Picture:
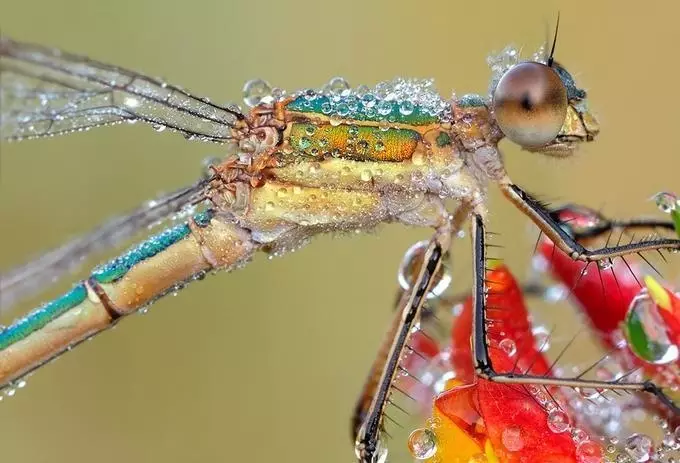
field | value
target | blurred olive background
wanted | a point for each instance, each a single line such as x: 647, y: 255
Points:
x: 264, y: 364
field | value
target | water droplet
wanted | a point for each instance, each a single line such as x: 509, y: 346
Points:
x: 368, y: 100
x: 418, y: 158
x: 159, y: 127
x: 380, y: 146
x: 366, y: 175
x: 605, y: 264
x: 508, y: 346
x: 269, y: 206
x: 639, y: 447
x: 558, y: 421
x: 409, y: 265
x: 666, y: 202
x: 644, y: 331
x: 541, y: 338
x: 512, y: 438
x: 342, y: 109
x: 384, y: 108
x: 282, y: 193
x: 406, y: 108
x: 589, y: 452
x: 337, y: 85
x: 304, y: 143
x: 422, y: 443
x: 131, y: 102
x: 257, y: 91
x: 578, y: 435
x: 327, y: 107
x: 353, y: 130
x: 310, y: 130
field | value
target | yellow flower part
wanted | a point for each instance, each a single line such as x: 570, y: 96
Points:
x: 658, y: 293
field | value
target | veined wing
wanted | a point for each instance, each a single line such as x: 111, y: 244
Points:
x: 36, y: 275
x: 45, y: 92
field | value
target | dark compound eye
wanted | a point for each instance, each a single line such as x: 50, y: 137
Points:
x: 530, y: 104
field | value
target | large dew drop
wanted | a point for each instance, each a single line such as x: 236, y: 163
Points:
x: 422, y: 443
x: 666, y: 202
x: 410, y: 264
x: 256, y: 91
x: 645, y: 332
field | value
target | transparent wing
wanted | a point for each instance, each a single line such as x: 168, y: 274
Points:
x: 36, y: 275
x: 45, y: 92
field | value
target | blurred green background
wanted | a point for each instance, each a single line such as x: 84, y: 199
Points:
x: 264, y: 364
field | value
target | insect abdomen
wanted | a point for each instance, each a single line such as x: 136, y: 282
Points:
x: 155, y: 267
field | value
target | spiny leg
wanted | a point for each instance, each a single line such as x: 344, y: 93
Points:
x: 602, y: 227
x: 480, y: 348
x: 552, y: 228
x: 367, y: 420
x: 368, y: 435
x: 596, y: 225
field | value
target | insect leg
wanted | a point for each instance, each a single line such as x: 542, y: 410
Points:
x: 480, y: 347
x: 584, y: 223
x: 369, y: 412
x: 553, y: 229
x: 368, y: 435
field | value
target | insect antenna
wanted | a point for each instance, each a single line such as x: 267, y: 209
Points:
x: 551, y: 57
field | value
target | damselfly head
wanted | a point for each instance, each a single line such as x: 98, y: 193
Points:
x: 539, y: 107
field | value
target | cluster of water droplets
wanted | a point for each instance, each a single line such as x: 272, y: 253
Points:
x: 502, y: 61
x: 12, y: 388
x: 386, y: 101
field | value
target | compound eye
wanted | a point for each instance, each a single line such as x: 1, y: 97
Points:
x: 530, y: 104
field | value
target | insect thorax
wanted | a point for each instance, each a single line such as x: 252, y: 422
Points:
x: 356, y: 158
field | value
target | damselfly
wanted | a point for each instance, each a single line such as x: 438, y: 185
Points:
x: 297, y: 165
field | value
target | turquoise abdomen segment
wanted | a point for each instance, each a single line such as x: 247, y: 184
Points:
x: 364, y: 108
x: 118, y: 267
x: 42, y: 316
